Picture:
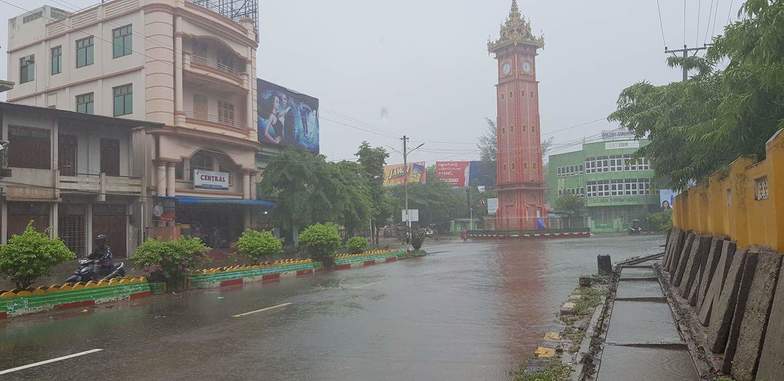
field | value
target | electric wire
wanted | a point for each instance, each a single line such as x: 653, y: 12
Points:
x: 661, y: 24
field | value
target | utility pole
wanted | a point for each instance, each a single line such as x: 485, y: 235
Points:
x: 685, y: 51
x: 470, y: 209
x: 405, y: 140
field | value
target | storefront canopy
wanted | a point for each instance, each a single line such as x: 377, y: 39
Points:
x: 190, y: 200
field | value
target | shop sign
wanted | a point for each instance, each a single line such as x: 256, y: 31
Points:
x: 210, y: 179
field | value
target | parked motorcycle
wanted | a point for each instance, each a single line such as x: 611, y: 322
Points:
x: 636, y: 227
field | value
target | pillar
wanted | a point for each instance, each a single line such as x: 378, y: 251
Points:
x: 3, y: 221
x: 88, y: 229
x: 246, y: 185
x: 171, y: 180
x: 179, y: 109
x: 54, y: 217
x: 161, y: 179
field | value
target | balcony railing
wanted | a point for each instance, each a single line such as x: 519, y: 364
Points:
x: 213, y: 119
x: 221, y: 66
x: 101, y: 184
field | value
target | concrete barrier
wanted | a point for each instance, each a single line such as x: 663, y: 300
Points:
x: 56, y: 297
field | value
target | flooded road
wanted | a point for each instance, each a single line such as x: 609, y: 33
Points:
x: 469, y: 311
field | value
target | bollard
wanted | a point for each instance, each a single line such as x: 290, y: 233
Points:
x: 605, y: 264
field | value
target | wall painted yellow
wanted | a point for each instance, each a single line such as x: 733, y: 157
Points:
x: 726, y: 204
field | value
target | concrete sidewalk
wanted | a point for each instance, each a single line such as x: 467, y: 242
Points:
x: 642, y: 339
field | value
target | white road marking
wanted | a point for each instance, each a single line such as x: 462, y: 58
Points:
x: 48, y: 361
x: 262, y: 310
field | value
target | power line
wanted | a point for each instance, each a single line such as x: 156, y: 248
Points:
x: 684, y: 22
x: 699, y: 14
x: 661, y: 24
x: 729, y: 12
x: 707, y: 28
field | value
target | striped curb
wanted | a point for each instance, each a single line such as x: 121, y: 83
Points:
x: 68, y: 296
x: 528, y: 235
x: 241, y: 275
x: 360, y: 260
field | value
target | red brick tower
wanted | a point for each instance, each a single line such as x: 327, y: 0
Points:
x: 520, y: 182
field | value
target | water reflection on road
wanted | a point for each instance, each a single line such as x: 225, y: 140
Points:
x: 470, y: 311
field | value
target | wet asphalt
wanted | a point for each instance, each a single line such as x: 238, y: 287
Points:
x: 468, y: 311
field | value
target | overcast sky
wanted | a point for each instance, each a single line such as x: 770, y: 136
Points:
x: 382, y: 69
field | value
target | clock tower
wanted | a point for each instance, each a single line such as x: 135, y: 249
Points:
x: 520, y: 181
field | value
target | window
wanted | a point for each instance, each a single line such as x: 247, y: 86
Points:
x: 57, y: 60
x: 66, y: 154
x: 110, y: 157
x: 761, y: 188
x: 200, y: 106
x: 84, y: 52
x: 226, y: 113
x: 123, y: 100
x: 84, y: 103
x: 29, y: 148
x: 27, y: 68
x: 122, y: 41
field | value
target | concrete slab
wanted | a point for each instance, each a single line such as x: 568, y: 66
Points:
x: 646, y: 363
x: 644, y: 289
x: 755, y: 317
x: 771, y: 364
x: 676, y: 257
x: 712, y: 261
x: 674, y: 244
x: 637, y: 273
x: 724, y: 306
x: 642, y: 323
x: 694, y: 283
x: 716, y: 283
x: 747, y: 276
x: 680, y: 266
x: 686, y: 275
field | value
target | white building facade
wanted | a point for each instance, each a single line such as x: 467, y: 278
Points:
x: 173, y: 62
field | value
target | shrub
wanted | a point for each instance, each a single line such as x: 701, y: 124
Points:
x: 171, y: 260
x: 660, y: 221
x: 357, y: 245
x: 30, y: 255
x: 257, y: 245
x: 321, y: 241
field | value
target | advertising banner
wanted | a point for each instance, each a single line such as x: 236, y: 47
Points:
x: 666, y: 198
x: 482, y: 174
x: 412, y: 213
x: 210, y: 180
x: 396, y: 175
x: 492, y: 206
x: 455, y: 173
x: 287, y: 117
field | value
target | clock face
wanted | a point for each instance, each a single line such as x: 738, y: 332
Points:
x: 527, y: 68
x: 506, y: 68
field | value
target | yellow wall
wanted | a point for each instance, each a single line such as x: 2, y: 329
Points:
x: 726, y: 203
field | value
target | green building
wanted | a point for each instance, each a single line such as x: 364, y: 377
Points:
x: 617, y: 188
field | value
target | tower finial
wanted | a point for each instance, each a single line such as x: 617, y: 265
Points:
x: 515, y: 31
x: 515, y: 9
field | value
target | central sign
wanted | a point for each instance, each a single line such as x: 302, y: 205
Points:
x: 210, y: 179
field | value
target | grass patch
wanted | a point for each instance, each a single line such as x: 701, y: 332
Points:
x: 590, y: 298
x: 555, y: 371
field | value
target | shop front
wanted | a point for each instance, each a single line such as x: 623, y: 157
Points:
x: 219, y: 222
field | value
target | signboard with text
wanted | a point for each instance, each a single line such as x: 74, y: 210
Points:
x: 395, y: 174
x: 210, y: 179
x: 455, y: 173
x: 492, y: 206
x: 412, y: 213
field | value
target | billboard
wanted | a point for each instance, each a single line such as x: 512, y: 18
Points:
x: 666, y: 198
x: 287, y: 117
x: 395, y: 174
x: 454, y: 173
x: 492, y: 206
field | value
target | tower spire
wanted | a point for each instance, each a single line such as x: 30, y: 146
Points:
x: 515, y: 31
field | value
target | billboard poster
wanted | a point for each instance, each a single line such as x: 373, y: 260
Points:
x: 455, y: 173
x: 492, y: 206
x: 396, y: 175
x: 287, y: 117
x: 666, y: 198
x: 482, y: 174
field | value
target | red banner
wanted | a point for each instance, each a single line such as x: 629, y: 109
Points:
x: 454, y: 173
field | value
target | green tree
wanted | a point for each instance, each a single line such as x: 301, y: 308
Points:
x: 300, y: 184
x: 357, y: 245
x: 572, y: 206
x: 372, y: 160
x: 488, y: 143
x: 352, y: 196
x: 699, y: 126
x: 30, y: 255
x: 258, y: 245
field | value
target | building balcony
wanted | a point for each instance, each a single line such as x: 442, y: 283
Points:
x: 202, y: 69
x: 214, y: 121
x: 101, y: 184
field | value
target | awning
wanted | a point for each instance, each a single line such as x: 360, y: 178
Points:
x: 190, y: 200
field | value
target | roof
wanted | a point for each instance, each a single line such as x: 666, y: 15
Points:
x: 6, y: 85
x: 77, y: 116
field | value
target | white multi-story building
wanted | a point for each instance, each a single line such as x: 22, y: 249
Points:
x: 180, y: 63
